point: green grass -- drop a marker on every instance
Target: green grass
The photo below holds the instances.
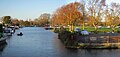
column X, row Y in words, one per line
column 99, row 29
column 102, row 29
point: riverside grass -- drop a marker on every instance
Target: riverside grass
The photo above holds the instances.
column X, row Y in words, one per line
column 103, row 29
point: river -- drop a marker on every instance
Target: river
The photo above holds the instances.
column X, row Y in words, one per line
column 37, row 42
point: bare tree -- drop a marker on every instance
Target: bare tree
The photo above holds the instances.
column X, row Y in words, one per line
column 95, row 15
column 112, row 15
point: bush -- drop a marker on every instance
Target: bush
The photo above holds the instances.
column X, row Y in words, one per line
column 118, row 31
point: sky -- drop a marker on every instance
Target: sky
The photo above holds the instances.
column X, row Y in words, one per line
column 31, row 9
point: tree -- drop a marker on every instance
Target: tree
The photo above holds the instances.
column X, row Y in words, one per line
column 7, row 20
column 26, row 23
column 67, row 15
column 36, row 22
column 95, row 15
column 15, row 22
column 82, row 9
column 21, row 23
column 112, row 15
column 44, row 19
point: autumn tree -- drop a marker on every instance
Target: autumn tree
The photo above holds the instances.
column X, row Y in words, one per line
column 15, row 22
column 67, row 15
column 54, row 20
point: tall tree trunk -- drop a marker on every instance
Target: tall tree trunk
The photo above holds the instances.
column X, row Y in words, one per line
column 83, row 26
column 95, row 27
column 113, row 29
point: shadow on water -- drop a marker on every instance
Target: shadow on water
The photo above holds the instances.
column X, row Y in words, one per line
column 2, row 47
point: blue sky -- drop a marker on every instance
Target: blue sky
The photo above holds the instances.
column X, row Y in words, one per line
column 31, row 9
column 25, row 9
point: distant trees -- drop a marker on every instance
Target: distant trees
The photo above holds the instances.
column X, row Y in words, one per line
column 6, row 20
column 36, row 22
column 26, row 23
column 15, row 22
column 21, row 22
column 44, row 19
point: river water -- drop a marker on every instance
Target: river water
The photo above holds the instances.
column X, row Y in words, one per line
column 37, row 42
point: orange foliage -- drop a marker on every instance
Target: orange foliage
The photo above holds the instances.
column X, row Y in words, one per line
column 66, row 15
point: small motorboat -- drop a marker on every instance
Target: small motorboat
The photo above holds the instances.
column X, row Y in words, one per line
column 48, row 28
column 20, row 34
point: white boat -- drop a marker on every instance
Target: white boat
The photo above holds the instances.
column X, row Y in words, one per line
column 8, row 32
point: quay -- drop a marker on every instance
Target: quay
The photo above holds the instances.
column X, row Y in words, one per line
column 91, row 41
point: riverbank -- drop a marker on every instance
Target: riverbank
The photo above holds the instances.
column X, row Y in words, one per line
column 3, row 40
column 91, row 41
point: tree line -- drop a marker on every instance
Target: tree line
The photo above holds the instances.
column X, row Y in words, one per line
column 92, row 13
column 42, row 20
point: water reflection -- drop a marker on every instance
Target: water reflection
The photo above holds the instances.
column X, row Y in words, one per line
column 2, row 47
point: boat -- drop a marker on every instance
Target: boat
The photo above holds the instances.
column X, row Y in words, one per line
column 8, row 32
column 48, row 28
column 20, row 34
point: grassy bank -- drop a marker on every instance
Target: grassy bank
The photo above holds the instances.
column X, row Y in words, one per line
column 104, row 29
